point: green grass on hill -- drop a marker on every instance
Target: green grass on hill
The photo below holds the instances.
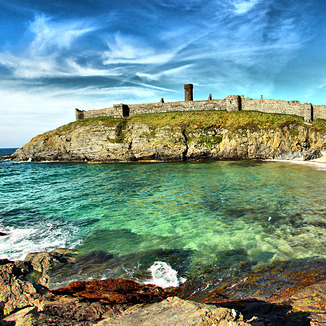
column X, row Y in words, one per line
column 205, row 120
column 211, row 119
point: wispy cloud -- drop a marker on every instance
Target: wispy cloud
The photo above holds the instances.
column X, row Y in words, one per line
column 130, row 49
column 47, row 53
column 242, row 7
column 51, row 36
column 170, row 72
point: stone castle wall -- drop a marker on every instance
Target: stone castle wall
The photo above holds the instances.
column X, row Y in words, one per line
column 319, row 112
column 280, row 107
column 177, row 106
column 230, row 103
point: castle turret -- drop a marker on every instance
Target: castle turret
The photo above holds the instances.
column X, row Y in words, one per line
column 233, row 103
column 189, row 92
column 80, row 114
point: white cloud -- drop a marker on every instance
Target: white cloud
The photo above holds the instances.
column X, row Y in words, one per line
column 176, row 72
column 243, row 7
column 31, row 67
column 128, row 49
column 51, row 36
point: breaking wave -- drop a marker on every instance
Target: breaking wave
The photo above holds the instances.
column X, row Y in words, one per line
column 164, row 275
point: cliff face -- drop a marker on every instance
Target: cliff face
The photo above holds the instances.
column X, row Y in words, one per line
column 176, row 137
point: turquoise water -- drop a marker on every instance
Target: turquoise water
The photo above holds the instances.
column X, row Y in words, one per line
column 201, row 218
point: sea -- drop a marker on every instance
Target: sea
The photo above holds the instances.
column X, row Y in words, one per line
column 163, row 223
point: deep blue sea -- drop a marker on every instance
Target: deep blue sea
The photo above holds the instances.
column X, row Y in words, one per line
column 200, row 218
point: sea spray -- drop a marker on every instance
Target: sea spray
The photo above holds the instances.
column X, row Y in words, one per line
column 164, row 275
column 19, row 241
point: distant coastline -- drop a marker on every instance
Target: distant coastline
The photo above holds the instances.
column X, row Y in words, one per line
column 7, row 151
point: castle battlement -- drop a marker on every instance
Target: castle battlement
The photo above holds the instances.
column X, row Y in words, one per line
column 230, row 103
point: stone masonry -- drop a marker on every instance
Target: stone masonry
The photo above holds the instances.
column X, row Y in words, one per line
column 189, row 92
column 231, row 103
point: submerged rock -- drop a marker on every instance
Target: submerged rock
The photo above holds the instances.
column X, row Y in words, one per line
column 45, row 262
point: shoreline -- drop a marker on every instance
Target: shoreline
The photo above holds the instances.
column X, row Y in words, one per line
column 319, row 162
column 298, row 160
column 122, row 301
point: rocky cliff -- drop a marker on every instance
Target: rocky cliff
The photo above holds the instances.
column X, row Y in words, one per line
column 179, row 136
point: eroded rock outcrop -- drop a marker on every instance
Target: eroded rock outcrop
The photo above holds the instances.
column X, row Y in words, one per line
column 175, row 311
column 218, row 135
column 17, row 290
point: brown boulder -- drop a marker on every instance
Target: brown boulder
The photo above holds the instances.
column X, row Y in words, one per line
column 114, row 291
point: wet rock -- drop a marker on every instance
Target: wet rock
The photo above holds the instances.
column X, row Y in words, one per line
column 45, row 262
column 114, row 291
column 175, row 311
column 103, row 265
column 16, row 289
column 273, row 283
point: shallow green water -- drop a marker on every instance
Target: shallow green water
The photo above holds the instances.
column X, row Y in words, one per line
column 198, row 217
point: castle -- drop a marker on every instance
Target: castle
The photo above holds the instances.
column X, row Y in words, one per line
column 231, row 103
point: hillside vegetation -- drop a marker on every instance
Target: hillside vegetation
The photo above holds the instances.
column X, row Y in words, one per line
column 205, row 120
column 179, row 136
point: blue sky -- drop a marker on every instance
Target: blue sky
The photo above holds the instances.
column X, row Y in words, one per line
column 90, row 54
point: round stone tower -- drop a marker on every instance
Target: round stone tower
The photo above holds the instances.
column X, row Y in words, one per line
column 189, row 92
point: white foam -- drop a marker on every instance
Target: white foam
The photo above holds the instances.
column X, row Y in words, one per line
column 20, row 241
column 318, row 165
column 164, row 275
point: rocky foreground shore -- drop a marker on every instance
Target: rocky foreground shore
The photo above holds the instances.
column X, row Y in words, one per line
column 26, row 299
